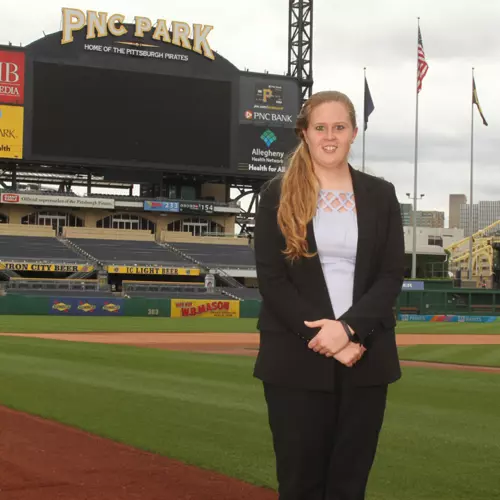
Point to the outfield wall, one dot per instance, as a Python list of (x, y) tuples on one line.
[(414, 303), (91, 306), (452, 301)]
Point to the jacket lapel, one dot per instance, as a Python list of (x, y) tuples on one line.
[(366, 216), (316, 271), (366, 220)]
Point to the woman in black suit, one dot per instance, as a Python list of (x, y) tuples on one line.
[(329, 250)]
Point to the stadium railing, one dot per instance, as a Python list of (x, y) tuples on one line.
[(27, 284), (163, 286)]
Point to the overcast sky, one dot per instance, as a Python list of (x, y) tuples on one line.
[(381, 35)]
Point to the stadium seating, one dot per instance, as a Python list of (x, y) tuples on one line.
[(122, 246), (212, 251), (61, 293), (129, 252), (22, 242), (40, 249), (178, 295), (163, 286), (218, 255), (246, 293)]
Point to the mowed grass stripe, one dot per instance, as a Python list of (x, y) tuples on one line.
[(190, 407), (422, 327), (77, 324), (478, 355), (440, 440)]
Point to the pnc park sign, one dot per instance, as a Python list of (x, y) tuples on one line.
[(100, 24)]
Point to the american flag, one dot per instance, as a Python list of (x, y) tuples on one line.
[(422, 64)]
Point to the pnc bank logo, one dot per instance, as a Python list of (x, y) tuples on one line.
[(268, 137)]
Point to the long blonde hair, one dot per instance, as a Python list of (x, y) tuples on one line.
[(300, 186)]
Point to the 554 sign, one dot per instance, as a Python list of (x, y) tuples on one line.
[(11, 77)]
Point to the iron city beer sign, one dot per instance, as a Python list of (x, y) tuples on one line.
[(100, 24)]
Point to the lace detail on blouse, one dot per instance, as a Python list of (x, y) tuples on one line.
[(336, 201)]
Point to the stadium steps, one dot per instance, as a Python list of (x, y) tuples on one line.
[(8, 273), (80, 275), (185, 256), (229, 280), (223, 276), (75, 248), (229, 294)]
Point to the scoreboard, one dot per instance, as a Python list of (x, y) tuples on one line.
[(126, 117), (134, 104)]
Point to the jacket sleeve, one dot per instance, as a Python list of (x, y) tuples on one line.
[(278, 292), (366, 314)]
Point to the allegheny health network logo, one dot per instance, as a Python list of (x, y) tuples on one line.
[(268, 137)]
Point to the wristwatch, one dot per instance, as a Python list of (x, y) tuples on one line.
[(352, 336)]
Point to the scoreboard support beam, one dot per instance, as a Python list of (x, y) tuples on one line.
[(246, 219), (300, 44), (14, 177)]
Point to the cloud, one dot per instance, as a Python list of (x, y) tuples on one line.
[(457, 35)]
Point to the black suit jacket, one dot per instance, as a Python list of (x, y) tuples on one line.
[(295, 292)]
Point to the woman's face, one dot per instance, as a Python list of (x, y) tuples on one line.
[(329, 135)]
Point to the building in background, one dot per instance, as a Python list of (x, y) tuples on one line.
[(483, 214), (430, 248), (406, 211), (425, 218), (430, 218), (456, 201), (432, 237), (489, 212)]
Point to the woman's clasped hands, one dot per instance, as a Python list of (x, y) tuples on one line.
[(332, 341)]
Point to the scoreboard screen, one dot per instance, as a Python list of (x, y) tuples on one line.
[(269, 97), (136, 118)]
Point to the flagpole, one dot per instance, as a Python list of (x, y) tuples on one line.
[(415, 171), (364, 114), (471, 178)]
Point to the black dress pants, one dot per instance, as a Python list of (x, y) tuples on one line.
[(324, 443)]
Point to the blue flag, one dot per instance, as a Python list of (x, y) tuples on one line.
[(369, 107)]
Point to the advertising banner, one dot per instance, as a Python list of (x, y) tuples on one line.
[(56, 201), (11, 131), (152, 270), (86, 306), (189, 308), (49, 268), (11, 77), (268, 101), (413, 286), (264, 150), (189, 207), (447, 318)]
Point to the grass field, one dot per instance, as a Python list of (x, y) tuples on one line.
[(440, 440), (479, 355), (77, 324)]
